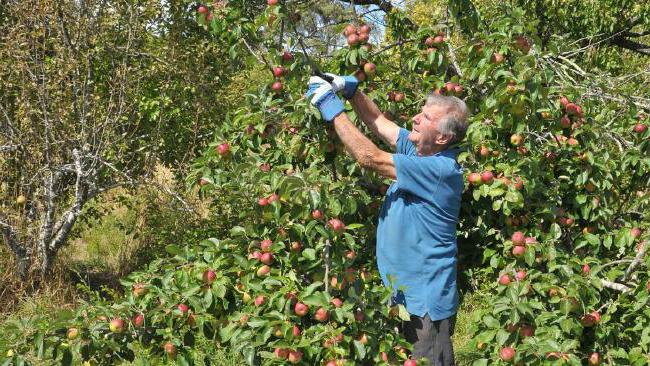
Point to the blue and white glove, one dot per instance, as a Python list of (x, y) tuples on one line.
[(348, 84), (324, 98)]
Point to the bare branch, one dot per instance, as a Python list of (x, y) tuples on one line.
[(637, 260), (615, 286)]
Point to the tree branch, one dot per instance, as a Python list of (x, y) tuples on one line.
[(635, 263), (615, 286), (641, 48)]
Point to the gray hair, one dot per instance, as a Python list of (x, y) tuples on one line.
[(455, 122)]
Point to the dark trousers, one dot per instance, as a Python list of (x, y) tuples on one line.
[(431, 339)]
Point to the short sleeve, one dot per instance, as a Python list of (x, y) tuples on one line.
[(403, 144), (419, 175)]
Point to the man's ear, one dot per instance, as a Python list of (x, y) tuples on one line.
[(444, 139)]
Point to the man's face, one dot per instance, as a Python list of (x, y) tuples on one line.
[(425, 133)]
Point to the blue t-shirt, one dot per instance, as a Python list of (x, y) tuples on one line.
[(416, 235)]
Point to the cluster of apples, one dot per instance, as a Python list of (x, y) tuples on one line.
[(432, 43), (640, 127), (571, 110), (357, 35), (280, 71), (450, 88)]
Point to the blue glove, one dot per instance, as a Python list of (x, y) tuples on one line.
[(323, 97), (348, 84)]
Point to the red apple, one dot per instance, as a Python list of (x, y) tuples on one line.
[(522, 44), (260, 300), (262, 202), (586, 269), (116, 325), (518, 238), (296, 246), (202, 9), (287, 57), (350, 254), (183, 308), (591, 319), (300, 309), (399, 96), (170, 349), (266, 258), (504, 280), (497, 58), (316, 215), (294, 356), (337, 302), (223, 149), (337, 225), (635, 232), (437, 40), (281, 353), (369, 68), (278, 71), (364, 28), (322, 315), (271, 2), (266, 245), (410, 363), (507, 354), (138, 320), (295, 331), (353, 39), (640, 128), (526, 330), (518, 251), (139, 289), (277, 86), (487, 177), (363, 38), (474, 179), (571, 109), (264, 270), (594, 359), (565, 122), (209, 276), (520, 275), (273, 197), (349, 29)]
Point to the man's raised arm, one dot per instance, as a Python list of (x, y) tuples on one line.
[(370, 114)]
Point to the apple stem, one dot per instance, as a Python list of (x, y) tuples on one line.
[(327, 265)]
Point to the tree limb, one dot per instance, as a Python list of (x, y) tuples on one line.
[(635, 263), (638, 47), (615, 286)]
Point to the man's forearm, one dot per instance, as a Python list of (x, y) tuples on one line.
[(365, 108), (356, 143)]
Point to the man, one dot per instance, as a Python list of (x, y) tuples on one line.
[(416, 235)]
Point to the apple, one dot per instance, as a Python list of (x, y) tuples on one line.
[(223, 149), (277, 86), (546, 115), (507, 354), (337, 225), (571, 109), (364, 28), (349, 29), (209, 276), (516, 139), (519, 184), (301, 309), (474, 179), (458, 90), (530, 240), (322, 315), (522, 44), (295, 246), (497, 58), (369, 68), (353, 39), (635, 232), (399, 96), (278, 71), (281, 353), (183, 308), (350, 254), (526, 330), (287, 57), (209, 16), (316, 215), (264, 270), (594, 359), (260, 300), (410, 363), (565, 122), (487, 177), (360, 75), (295, 331), (271, 2), (138, 320), (437, 40), (116, 325), (295, 356), (586, 269), (139, 289), (518, 238), (518, 251), (202, 9), (429, 41), (266, 258), (272, 198), (520, 275), (266, 244), (484, 152), (170, 349), (73, 333), (504, 280), (265, 167), (363, 38), (359, 316), (337, 302), (591, 319), (640, 128), (255, 255)]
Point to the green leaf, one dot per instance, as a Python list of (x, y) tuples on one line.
[(309, 253), (403, 313), (191, 291), (359, 349), (174, 249)]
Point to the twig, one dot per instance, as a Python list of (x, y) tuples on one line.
[(635, 263), (327, 264)]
